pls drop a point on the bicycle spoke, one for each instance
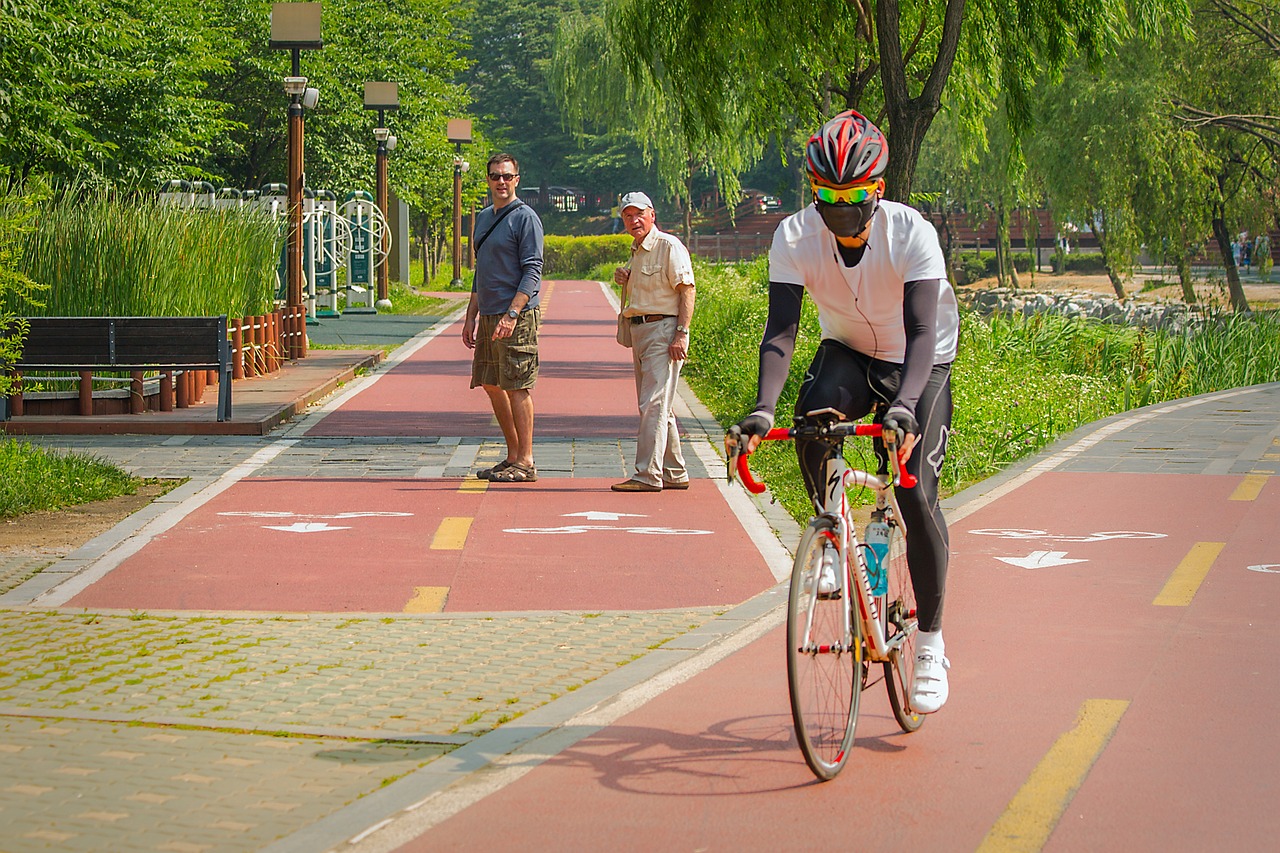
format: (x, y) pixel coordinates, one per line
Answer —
(824, 658)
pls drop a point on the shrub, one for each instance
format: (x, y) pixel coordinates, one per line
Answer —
(1091, 264)
(574, 257)
(968, 267)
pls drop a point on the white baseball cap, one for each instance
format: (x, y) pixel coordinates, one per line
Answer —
(637, 200)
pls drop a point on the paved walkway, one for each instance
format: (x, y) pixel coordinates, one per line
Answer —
(315, 715)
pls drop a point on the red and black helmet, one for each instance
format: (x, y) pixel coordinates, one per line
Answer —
(848, 149)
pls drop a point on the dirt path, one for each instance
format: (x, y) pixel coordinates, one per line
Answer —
(55, 533)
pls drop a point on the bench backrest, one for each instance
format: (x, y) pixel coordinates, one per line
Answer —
(125, 342)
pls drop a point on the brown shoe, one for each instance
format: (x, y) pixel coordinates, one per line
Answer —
(515, 473)
(635, 486)
(487, 473)
(677, 485)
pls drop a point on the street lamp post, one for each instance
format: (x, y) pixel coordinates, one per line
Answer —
(296, 27)
(382, 97)
(459, 131)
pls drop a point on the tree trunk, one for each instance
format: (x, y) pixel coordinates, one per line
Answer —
(1117, 283)
(1234, 288)
(948, 241)
(1183, 260)
(909, 118)
(1031, 239)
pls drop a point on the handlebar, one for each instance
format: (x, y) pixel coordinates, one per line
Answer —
(739, 459)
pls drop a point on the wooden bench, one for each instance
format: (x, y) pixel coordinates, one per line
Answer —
(130, 344)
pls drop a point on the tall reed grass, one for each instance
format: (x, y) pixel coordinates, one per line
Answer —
(102, 253)
(1019, 383)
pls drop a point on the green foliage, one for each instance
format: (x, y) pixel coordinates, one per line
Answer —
(1018, 383)
(575, 257)
(972, 266)
(32, 479)
(103, 254)
(15, 216)
(1083, 263)
(106, 90)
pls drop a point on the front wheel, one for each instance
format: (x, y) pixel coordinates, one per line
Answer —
(824, 656)
(901, 627)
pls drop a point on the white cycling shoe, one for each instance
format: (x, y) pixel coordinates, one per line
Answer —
(929, 692)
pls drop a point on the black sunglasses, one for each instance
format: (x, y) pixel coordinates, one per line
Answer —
(502, 176)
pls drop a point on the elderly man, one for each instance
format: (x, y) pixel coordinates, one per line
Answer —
(659, 284)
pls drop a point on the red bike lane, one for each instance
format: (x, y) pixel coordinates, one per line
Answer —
(585, 389)
(1185, 763)
(388, 545)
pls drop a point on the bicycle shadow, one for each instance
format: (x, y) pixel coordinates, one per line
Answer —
(734, 757)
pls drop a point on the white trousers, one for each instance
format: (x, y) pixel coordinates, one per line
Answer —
(658, 455)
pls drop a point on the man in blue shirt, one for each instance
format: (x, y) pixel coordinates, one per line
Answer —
(503, 317)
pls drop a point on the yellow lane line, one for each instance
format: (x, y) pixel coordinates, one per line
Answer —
(1190, 573)
(427, 599)
(451, 535)
(1034, 811)
(1250, 487)
(473, 485)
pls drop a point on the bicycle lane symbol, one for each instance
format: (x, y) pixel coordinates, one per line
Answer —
(592, 515)
(318, 525)
(1043, 559)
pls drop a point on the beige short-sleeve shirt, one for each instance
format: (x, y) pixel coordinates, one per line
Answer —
(659, 265)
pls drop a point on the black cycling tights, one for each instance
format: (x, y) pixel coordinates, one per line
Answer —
(852, 383)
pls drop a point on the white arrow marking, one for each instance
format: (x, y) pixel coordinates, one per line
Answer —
(307, 527)
(343, 515)
(1101, 536)
(1267, 568)
(592, 515)
(587, 528)
(1040, 560)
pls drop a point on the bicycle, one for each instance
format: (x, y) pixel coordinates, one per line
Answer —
(830, 646)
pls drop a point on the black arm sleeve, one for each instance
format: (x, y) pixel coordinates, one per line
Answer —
(920, 317)
(779, 343)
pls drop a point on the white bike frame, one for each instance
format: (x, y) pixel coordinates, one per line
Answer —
(835, 505)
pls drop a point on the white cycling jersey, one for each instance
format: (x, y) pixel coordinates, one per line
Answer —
(861, 306)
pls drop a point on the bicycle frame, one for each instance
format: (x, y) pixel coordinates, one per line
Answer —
(839, 478)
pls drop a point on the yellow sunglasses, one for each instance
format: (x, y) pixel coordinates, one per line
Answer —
(846, 195)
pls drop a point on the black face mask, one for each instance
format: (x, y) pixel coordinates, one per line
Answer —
(847, 220)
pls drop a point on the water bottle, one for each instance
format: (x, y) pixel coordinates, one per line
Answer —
(877, 541)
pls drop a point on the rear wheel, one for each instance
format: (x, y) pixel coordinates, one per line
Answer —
(824, 657)
(898, 618)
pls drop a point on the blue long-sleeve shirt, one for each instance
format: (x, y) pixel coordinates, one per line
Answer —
(509, 260)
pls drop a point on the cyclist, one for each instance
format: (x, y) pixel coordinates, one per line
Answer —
(889, 323)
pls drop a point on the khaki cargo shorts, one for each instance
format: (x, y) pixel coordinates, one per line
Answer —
(509, 363)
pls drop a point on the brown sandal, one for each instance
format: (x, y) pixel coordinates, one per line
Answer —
(487, 473)
(515, 473)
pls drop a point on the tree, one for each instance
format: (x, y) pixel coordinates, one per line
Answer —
(744, 71)
(598, 91)
(1224, 91)
(1113, 161)
(105, 90)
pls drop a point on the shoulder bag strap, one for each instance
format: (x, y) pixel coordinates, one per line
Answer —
(497, 219)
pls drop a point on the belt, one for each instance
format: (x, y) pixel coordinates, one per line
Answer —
(650, 318)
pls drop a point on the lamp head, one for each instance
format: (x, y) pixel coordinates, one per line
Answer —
(310, 97)
(381, 134)
(391, 142)
(295, 86)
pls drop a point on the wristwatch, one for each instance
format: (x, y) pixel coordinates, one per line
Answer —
(512, 313)
(682, 329)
